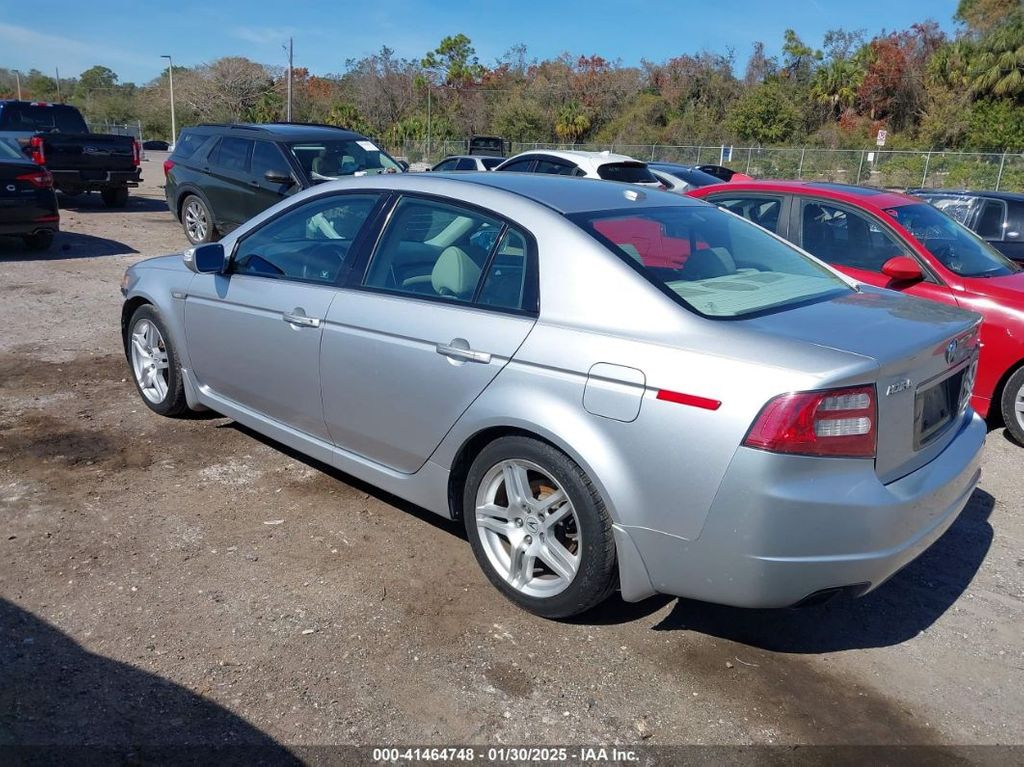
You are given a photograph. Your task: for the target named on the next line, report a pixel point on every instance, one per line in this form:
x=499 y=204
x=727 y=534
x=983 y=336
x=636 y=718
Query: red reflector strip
x=688 y=399
x=47 y=218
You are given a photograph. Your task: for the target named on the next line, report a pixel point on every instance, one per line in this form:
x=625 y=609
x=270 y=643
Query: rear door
x=859 y=243
x=447 y=298
x=227 y=183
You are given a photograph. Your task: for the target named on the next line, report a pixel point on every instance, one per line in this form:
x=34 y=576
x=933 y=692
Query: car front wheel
x=539 y=528
x=154 y=362
x=1013 y=406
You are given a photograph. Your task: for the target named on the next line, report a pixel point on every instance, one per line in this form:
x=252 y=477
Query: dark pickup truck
x=55 y=135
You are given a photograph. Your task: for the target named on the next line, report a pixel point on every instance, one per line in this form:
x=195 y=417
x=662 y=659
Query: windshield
x=955 y=246
x=327 y=160
x=629 y=172
x=711 y=261
x=10 y=150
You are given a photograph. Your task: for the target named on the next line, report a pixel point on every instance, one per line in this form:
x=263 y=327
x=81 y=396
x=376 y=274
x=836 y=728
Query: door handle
x=458 y=352
x=293 y=318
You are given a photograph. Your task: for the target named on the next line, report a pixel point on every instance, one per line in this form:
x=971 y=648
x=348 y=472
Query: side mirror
x=902 y=268
x=279 y=177
x=205 y=259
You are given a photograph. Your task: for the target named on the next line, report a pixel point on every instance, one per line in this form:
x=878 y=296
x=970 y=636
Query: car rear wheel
x=39 y=240
x=539 y=528
x=1013 y=406
x=154 y=362
x=115 y=198
x=197 y=221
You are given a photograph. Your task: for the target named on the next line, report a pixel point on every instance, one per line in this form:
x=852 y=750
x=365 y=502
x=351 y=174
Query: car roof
x=578 y=156
x=1008 y=196
x=563 y=194
x=862 y=196
x=285 y=131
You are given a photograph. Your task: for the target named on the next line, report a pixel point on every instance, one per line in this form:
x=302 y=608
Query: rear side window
x=42 y=118
x=492 y=162
x=505 y=283
x=627 y=172
x=519 y=166
x=554 y=168
x=465 y=164
x=713 y=263
x=188 y=144
x=763 y=211
x=232 y=154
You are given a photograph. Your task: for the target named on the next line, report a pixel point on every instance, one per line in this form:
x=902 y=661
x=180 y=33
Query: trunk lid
x=926 y=356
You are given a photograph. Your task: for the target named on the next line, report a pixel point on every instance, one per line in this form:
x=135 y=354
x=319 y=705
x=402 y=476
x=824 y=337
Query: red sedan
x=900 y=242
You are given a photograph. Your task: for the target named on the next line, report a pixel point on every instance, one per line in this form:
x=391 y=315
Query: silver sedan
x=614 y=388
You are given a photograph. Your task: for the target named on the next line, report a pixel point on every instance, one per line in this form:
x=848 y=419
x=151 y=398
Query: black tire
x=173 y=403
x=202 y=209
x=115 y=198
x=1013 y=393
x=39 y=241
x=597 y=575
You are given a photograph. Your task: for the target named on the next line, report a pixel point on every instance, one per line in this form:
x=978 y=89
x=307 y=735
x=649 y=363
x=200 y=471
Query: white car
x=566 y=162
x=468 y=162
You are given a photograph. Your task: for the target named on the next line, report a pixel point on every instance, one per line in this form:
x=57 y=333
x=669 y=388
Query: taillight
x=837 y=422
x=136 y=154
x=41 y=179
x=168 y=164
x=35 y=147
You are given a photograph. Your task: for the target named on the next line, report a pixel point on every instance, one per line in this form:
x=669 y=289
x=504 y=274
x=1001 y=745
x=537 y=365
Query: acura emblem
x=951 y=352
x=12 y=188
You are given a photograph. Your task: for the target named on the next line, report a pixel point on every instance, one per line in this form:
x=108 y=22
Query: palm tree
x=572 y=122
x=998 y=67
x=836 y=84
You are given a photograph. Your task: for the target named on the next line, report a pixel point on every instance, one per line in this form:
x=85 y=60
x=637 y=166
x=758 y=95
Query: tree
x=982 y=16
x=765 y=114
x=760 y=67
x=998 y=66
x=798 y=58
x=572 y=122
x=836 y=84
x=96 y=78
x=520 y=120
x=454 y=61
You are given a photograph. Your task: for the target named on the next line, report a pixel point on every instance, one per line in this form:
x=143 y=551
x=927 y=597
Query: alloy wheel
x=196 y=222
x=149 y=361
x=528 y=528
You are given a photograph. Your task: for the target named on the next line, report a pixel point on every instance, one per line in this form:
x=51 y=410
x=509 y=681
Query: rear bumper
x=783 y=528
x=95 y=180
x=29 y=219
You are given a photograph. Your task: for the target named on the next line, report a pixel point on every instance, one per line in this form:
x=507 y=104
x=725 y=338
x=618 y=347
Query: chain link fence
x=894 y=169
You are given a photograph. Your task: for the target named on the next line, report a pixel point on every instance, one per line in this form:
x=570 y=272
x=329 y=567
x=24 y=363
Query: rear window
x=42 y=119
x=628 y=172
x=710 y=261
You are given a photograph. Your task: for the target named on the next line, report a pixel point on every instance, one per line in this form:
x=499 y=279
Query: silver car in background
x=614 y=388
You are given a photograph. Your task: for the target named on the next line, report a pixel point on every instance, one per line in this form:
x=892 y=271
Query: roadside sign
x=880 y=140
x=871 y=156
x=725 y=155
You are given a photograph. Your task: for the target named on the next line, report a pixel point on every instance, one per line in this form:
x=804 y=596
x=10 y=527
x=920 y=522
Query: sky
x=129 y=37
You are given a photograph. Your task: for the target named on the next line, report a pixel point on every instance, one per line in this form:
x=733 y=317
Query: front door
x=254 y=333
x=448 y=297
x=227 y=183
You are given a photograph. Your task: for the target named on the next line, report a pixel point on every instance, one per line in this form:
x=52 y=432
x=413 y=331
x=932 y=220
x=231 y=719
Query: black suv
x=220 y=176
x=996 y=217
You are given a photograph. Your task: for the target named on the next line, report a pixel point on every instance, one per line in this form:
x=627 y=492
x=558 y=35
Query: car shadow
x=55 y=695
x=93 y=203
x=909 y=603
x=66 y=245
x=453 y=527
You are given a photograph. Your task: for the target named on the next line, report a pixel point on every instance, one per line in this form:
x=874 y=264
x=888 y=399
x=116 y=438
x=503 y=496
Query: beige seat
x=455 y=274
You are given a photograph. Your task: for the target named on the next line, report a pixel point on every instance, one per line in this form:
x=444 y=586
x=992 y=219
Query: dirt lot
x=188 y=581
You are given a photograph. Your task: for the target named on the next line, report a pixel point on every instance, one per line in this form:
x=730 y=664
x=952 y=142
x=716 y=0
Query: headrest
x=455 y=274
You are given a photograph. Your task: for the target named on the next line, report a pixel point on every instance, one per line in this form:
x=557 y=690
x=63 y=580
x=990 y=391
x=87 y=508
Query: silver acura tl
x=614 y=388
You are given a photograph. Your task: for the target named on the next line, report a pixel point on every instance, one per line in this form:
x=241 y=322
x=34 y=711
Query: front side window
x=710 y=261
x=763 y=211
x=327 y=160
x=310 y=243
x=445 y=165
x=433 y=249
x=955 y=246
x=844 y=237
x=267 y=157
x=232 y=154
x=519 y=166
x=991 y=220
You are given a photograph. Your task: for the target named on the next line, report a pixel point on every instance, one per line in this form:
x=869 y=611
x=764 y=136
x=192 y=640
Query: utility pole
x=58 y=82
x=288 y=112
x=170 y=78
x=17 y=79
x=428 y=121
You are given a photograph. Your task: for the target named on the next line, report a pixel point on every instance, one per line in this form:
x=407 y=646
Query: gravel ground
x=192 y=582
